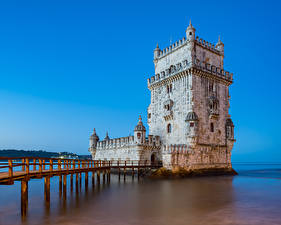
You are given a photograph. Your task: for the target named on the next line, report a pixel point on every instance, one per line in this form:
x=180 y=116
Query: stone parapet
x=184 y=65
x=127 y=142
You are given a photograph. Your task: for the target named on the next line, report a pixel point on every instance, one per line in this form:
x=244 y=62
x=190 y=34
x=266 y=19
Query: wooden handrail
x=54 y=166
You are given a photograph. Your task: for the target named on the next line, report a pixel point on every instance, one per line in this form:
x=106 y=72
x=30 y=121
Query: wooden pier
x=23 y=169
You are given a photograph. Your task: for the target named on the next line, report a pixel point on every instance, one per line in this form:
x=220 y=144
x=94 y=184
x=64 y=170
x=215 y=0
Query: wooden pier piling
x=24 y=198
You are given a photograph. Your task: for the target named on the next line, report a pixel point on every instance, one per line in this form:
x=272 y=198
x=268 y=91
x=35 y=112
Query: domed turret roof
x=140 y=126
x=219 y=42
x=94 y=136
x=190 y=27
x=191 y=116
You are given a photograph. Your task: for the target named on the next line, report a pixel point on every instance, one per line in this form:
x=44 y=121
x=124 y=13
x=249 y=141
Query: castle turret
x=190 y=32
x=94 y=138
x=139 y=132
x=156 y=52
x=220 y=46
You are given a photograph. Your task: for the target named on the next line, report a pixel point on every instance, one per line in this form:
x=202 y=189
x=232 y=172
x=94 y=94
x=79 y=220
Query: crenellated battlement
x=172 y=47
x=184 y=65
x=178 y=44
x=172 y=149
x=129 y=141
x=207 y=45
x=115 y=143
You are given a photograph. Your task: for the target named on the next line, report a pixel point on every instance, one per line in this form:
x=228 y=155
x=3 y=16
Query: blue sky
x=69 y=66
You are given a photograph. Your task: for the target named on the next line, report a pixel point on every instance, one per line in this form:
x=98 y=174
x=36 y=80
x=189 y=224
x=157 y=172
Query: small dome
x=140 y=126
x=229 y=122
x=191 y=116
x=219 y=42
x=190 y=27
x=94 y=136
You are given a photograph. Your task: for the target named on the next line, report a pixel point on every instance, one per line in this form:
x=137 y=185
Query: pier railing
x=16 y=168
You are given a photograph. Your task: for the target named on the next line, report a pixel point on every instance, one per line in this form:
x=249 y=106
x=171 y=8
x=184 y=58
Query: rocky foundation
x=183 y=173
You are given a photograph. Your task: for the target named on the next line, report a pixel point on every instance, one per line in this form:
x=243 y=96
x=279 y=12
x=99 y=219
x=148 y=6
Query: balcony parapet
x=185 y=65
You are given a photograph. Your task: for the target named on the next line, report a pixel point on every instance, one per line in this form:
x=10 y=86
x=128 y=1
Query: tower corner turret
x=190 y=32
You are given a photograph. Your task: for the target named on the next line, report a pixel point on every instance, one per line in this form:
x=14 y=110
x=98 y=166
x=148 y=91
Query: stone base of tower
x=200 y=157
x=183 y=172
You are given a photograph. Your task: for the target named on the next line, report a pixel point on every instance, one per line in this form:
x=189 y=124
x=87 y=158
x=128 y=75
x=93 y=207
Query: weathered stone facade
x=189 y=123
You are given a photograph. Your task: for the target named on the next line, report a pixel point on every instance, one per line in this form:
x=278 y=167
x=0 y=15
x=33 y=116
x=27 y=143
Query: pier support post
x=60 y=185
x=64 y=183
x=64 y=189
x=93 y=178
x=80 y=180
x=118 y=170
x=103 y=175
x=133 y=169
x=86 y=181
x=24 y=198
x=76 y=183
x=108 y=175
x=71 y=182
x=125 y=170
x=47 y=192
x=98 y=176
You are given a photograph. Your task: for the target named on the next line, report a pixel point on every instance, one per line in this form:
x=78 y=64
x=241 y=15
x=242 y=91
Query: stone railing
x=175 y=69
x=172 y=70
x=213 y=69
x=151 y=140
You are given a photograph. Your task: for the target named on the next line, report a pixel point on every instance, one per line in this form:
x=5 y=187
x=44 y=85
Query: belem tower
x=188 y=116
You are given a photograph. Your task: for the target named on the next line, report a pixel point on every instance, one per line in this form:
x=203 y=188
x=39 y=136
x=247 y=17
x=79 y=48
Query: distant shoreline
x=257 y=163
x=41 y=153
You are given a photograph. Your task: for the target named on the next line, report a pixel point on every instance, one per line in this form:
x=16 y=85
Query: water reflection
x=209 y=200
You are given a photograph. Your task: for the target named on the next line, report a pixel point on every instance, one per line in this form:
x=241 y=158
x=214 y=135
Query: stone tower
x=190 y=103
x=188 y=119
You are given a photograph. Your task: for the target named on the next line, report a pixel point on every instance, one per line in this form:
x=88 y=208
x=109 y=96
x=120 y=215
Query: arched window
x=168 y=107
x=169 y=88
x=212 y=127
x=169 y=128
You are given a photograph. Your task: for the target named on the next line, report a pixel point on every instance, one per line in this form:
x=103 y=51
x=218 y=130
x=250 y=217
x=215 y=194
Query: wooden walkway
x=23 y=169
x=13 y=169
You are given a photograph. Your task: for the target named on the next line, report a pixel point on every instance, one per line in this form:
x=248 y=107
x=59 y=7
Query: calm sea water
x=252 y=197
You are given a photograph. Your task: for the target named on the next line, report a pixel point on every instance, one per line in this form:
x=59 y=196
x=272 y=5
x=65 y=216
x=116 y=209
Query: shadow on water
x=242 y=199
